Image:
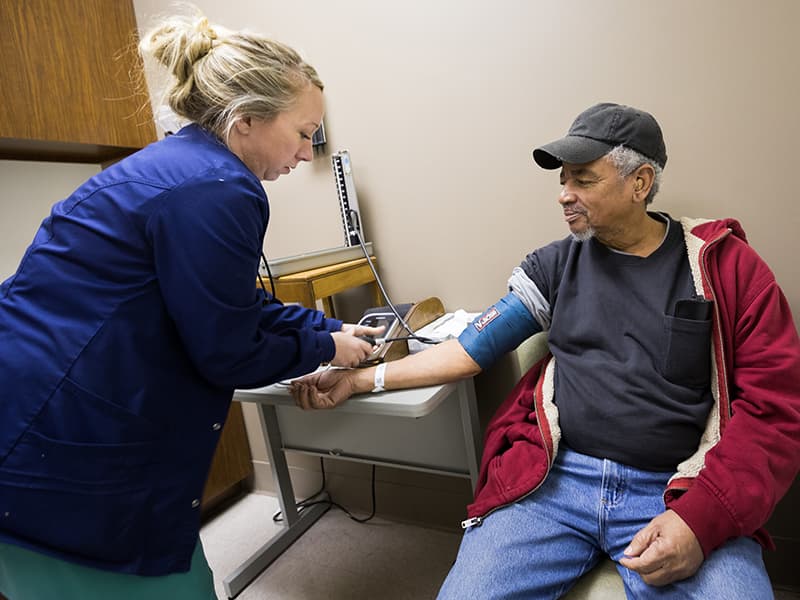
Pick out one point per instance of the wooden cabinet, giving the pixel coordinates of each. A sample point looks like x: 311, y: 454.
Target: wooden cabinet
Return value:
x: 68, y: 82
x: 232, y: 465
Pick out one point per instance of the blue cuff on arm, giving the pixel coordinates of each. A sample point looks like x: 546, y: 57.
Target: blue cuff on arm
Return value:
x: 499, y: 330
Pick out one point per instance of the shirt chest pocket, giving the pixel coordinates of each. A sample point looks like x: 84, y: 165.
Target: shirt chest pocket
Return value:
x: 686, y: 360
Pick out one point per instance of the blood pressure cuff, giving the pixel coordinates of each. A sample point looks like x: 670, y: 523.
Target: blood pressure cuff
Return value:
x: 499, y: 330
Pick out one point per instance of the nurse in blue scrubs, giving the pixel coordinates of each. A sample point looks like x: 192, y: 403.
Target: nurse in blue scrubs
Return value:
x: 134, y: 315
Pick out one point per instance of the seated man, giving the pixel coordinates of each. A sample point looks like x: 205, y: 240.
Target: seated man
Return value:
x: 662, y: 428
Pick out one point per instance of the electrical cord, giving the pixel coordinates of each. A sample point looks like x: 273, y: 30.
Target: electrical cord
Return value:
x: 309, y: 501
x: 356, y: 226
x: 271, y: 280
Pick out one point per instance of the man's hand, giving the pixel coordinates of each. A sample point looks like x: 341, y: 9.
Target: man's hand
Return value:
x: 664, y: 551
x: 326, y: 389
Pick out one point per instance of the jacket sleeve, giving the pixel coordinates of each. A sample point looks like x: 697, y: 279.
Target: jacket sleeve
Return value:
x: 277, y: 316
x: 757, y: 457
x: 206, y: 240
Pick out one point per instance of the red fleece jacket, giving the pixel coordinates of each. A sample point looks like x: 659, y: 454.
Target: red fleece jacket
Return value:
x: 749, y: 454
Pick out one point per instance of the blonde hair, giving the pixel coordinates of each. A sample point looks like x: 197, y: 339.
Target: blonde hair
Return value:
x: 221, y: 76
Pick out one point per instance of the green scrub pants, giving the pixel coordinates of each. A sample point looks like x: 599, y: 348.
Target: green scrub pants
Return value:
x: 26, y: 575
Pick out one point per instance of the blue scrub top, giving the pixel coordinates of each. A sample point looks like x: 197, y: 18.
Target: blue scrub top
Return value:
x: 132, y: 317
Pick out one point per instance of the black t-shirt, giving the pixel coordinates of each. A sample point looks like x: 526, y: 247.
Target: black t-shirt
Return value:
x: 631, y: 380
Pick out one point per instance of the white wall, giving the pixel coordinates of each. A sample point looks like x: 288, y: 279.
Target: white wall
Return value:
x: 440, y: 103
x: 27, y: 191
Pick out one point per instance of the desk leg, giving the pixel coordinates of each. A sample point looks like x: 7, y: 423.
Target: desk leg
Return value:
x: 277, y: 462
x: 296, y: 523
x: 327, y: 307
x: 472, y: 427
x: 376, y: 292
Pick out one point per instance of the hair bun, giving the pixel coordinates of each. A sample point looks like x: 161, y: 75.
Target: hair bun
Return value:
x: 201, y: 43
x: 248, y: 74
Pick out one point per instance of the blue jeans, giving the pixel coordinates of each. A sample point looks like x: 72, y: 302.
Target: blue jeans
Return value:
x: 587, y: 507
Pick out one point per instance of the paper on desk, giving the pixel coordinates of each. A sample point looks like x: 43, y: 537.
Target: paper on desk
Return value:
x: 449, y: 325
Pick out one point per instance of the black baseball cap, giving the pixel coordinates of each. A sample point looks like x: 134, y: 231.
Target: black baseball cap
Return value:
x: 599, y: 129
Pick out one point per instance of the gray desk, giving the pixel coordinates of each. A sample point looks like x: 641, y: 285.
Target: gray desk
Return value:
x: 433, y: 429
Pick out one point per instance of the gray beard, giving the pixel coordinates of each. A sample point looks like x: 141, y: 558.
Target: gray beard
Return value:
x: 584, y: 236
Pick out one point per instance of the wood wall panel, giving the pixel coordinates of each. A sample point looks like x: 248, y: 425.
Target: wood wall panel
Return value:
x: 68, y: 83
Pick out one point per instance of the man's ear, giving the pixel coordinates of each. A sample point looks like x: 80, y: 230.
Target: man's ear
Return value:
x: 643, y: 178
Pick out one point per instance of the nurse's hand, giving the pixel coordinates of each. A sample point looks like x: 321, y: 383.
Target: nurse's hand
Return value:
x: 350, y: 348
x: 363, y: 331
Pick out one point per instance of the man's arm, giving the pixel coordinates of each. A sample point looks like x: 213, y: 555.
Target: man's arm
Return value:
x: 756, y: 459
x: 442, y: 363
x: 500, y: 329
